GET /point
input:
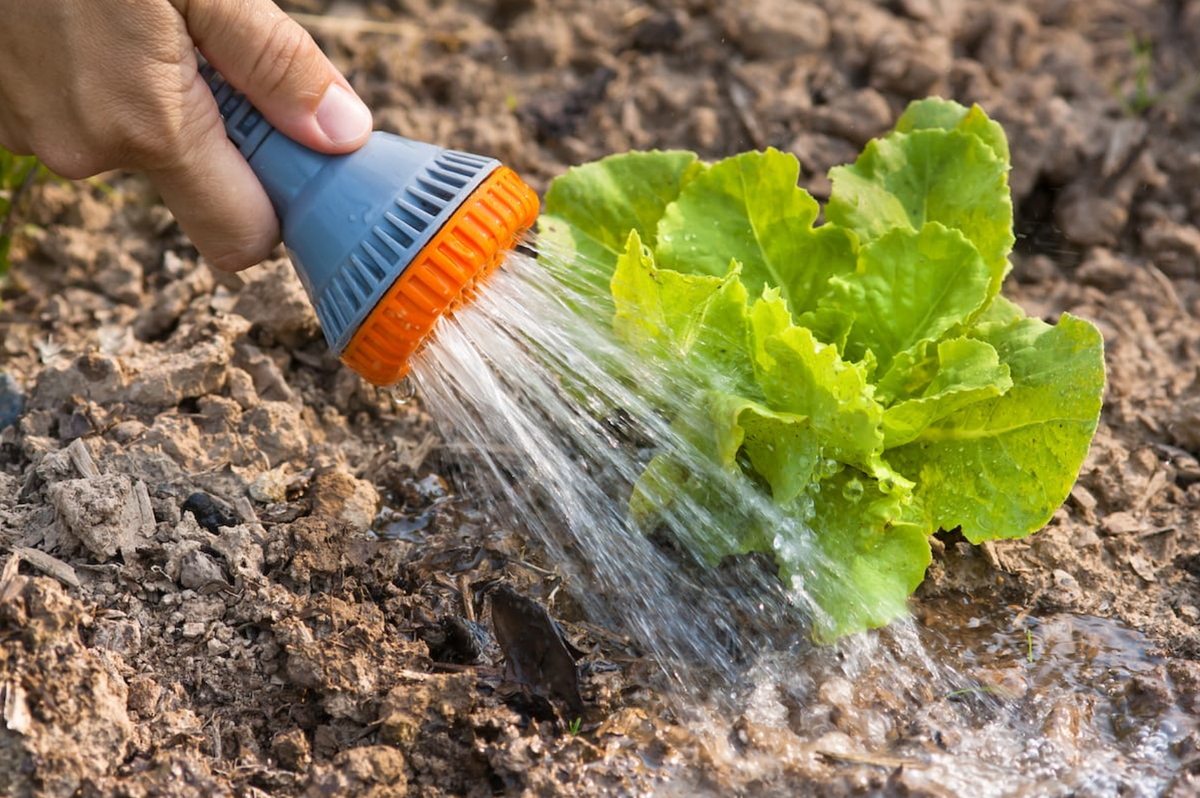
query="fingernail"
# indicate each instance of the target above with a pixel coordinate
(342, 116)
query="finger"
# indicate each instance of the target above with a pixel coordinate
(213, 193)
(11, 142)
(11, 131)
(267, 56)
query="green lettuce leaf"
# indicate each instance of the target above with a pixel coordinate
(869, 558)
(928, 175)
(591, 209)
(969, 370)
(936, 113)
(699, 320)
(863, 376)
(749, 208)
(910, 287)
(798, 374)
(999, 468)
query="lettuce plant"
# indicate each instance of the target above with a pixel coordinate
(864, 372)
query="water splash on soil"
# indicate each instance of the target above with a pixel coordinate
(561, 422)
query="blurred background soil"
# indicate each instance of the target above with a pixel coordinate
(192, 601)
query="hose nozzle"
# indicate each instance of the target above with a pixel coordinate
(386, 239)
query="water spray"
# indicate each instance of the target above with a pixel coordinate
(386, 239)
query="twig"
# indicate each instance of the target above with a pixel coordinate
(1167, 286)
(891, 762)
(739, 98)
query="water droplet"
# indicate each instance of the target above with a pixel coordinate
(853, 490)
(403, 392)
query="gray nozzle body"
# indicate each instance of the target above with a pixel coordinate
(352, 223)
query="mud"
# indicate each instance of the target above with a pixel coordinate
(286, 633)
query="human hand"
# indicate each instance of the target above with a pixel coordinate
(93, 85)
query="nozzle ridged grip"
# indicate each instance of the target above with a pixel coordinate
(442, 275)
(421, 206)
(245, 126)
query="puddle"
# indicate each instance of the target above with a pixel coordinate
(403, 527)
(1077, 705)
(959, 704)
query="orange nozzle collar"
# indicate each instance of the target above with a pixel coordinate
(467, 248)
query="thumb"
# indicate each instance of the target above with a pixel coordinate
(267, 56)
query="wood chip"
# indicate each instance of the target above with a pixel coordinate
(1120, 524)
(11, 582)
(145, 508)
(245, 510)
(49, 565)
(16, 708)
(81, 458)
(1142, 567)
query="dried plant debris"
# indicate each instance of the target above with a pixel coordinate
(536, 654)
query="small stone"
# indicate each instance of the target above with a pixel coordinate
(1142, 567)
(838, 693)
(432, 488)
(1084, 498)
(291, 750)
(127, 431)
(270, 487)
(1065, 580)
(119, 277)
(705, 127)
(541, 39)
(1189, 613)
(1085, 537)
(777, 28)
(370, 771)
(144, 694)
(268, 380)
(193, 629)
(198, 570)
(120, 635)
(279, 431)
(856, 116)
(1103, 270)
(216, 648)
(274, 301)
(1175, 248)
(241, 388)
(167, 379)
(242, 552)
(102, 512)
(660, 32)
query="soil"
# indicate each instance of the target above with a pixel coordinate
(192, 597)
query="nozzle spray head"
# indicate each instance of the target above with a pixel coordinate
(386, 239)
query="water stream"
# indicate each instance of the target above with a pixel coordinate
(561, 422)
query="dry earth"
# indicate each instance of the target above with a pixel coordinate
(258, 640)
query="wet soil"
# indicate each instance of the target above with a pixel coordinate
(231, 567)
